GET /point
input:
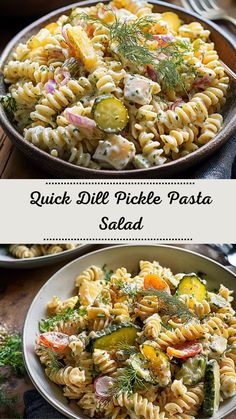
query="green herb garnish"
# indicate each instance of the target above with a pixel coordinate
(8, 404)
(107, 273)
(55, 363)
(9, 104)
(48, 324)
(128, 39)
(170, 305)
(128, 382)
(127, 349)
(11, 353)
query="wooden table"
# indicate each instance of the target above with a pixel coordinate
(13, 164)
(18, 288)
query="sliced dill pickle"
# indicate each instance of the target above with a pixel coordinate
(111, 337)
(110, 114)
(192, 285)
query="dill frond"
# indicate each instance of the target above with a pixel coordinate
(55, 363)
(8, 404)
(128, 39)
(170, 305)
(127, 381)
(127, 349)
(107, 273)
(9, 103)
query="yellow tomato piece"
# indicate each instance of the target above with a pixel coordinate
(82, 46)
(89, 291)
(159, 362)
(172, 19)
(52, 27)
(37, 40)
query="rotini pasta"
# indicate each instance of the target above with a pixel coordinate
(151, 344)
(23, 251)
(117, 86)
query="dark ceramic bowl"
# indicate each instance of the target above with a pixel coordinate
(62, 169)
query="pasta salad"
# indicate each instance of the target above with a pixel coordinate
(152, 345)
(26, 251)
(117, 86)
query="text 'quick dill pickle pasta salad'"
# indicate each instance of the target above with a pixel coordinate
(154, 345)
(117, 86)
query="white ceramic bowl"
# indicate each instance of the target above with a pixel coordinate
(62, 284)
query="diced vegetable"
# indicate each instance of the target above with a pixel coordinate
(192, 371)
(159, 363)
(211, 388)
(110, 114)
(116, 151)
(82, 46)
(88, 291)
(55, 340)
(185, 350)
(156, 282)
(172, 19)
(140, 365)
(192, 285)
(113, 336)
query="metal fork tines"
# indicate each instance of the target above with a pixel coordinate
(208, 9)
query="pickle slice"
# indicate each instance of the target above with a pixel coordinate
(110, 114)
(192, 285)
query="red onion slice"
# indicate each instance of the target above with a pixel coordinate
(152, 74)
(80, 121)
(102, 385)
(164, 38)
(176, 103)
(50, 86)
(64, 32)
(202, 81)
(61, 76)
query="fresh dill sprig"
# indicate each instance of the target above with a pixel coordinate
(170, 305)
(8, 404)
(127, 381)
(46, 325)
(128, 39)
(107, 273)
(9, 104)
(55, 363)
(126, 348)
(11, 353)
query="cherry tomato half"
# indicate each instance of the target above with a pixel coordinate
(54, 340)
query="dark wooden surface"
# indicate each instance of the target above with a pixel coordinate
(18, 288)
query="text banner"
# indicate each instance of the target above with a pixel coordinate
(38, 211)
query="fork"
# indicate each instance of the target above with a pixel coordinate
(208, 9)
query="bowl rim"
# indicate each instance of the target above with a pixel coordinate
(185, 162)
(30, 262)
(50, 398)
